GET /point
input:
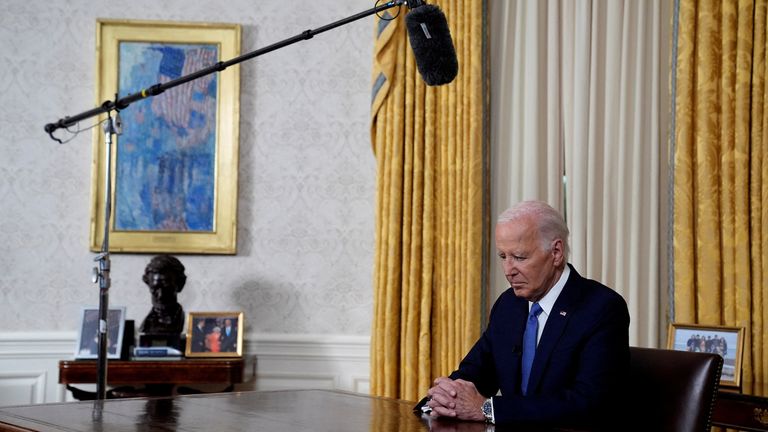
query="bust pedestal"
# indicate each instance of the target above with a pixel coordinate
(173, 340)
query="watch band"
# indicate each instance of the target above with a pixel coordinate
(488, 410)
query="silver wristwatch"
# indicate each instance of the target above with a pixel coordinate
(488, 410)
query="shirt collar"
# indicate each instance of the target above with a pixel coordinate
(548, 301)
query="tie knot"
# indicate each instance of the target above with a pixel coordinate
(535, 310)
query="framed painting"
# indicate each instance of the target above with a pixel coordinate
(174, 166)
(723, 340)
(214, 334)
(88, 335)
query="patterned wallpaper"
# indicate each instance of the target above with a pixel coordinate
(306, 176)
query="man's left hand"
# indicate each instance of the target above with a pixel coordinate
(456, 398)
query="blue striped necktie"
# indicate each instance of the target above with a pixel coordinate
(529, 344)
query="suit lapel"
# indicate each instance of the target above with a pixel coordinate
(556, 323)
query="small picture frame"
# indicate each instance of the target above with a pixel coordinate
(214, 334)
(88, 337)
(724, 340)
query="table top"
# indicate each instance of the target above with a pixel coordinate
(305, 410)
(290, 410)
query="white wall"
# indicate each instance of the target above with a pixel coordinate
(306, 187)
(29, 364)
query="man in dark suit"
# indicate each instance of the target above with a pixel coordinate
(228, 337)
(582, 355)
(198, 336)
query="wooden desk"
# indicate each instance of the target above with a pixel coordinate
(154, 378)
(294, 411)
(744, 409)
(309, 410)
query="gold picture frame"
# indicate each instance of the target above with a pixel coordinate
(174, 167)
(724, 340)
(214, 334)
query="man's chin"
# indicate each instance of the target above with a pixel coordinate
(521, 291)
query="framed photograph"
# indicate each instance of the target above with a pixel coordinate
(214, 334)
(723, 340)
(88, 337)
(174, 165)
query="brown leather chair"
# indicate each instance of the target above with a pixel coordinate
(672, 390)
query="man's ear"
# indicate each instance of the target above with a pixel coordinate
(557, 252)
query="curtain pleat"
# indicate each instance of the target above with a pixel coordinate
(429, 144)
(580, 87)
(720, 187)
(758, 199)
(612, 153)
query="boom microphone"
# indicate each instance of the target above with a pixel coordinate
(431, 43)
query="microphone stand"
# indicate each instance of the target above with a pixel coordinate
(112, 127)
(101, 273)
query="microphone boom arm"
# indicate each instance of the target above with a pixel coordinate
(159, 88)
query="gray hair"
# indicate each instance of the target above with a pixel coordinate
(550, 223)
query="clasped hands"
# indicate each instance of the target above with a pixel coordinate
(456, 398)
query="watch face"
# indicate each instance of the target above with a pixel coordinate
(487, 407)
(488, 411)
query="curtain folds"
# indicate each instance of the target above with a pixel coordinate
(580, 120)
(613, 137)
(721, 194)
(430, 148)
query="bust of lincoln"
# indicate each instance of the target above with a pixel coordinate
(164, 275)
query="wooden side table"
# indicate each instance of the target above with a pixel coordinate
(142, 378)
(745, 408)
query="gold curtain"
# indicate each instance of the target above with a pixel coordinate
(429, 144)
(720, 172)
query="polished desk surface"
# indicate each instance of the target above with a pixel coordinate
(290, 410)
(744, 408)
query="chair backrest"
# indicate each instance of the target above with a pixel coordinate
(672, 390)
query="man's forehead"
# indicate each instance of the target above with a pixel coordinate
(165, 271)
(166, 277)
(518, 230)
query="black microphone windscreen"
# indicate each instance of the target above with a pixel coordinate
(432, 44)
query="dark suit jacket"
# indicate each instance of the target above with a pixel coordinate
(229, 343)
(581, 361)
(198, 339)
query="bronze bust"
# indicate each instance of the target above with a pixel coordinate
(164, 275)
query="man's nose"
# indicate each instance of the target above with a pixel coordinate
(508, 264)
